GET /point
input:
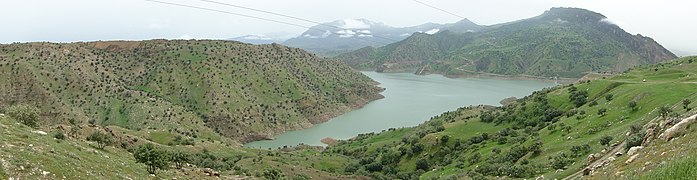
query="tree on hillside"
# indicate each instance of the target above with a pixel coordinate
(25, 114)
(273, 173)
(664, 111)
(422, 164)
(605, 140)
(102, 139)
(686, 103)
(602, 111)
(609, 97)
(153, 158)
(179, 158)
(633, 105)
(578, 97)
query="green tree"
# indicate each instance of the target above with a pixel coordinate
(179, 158)
(273, 173)
(602, 111)
(664, 111)
(102, 139)
(578, 97)
(153, 158)
(605, 140)
(633, 105)
(609, 97)
(25, 114)
(686, 103)
(422, 164)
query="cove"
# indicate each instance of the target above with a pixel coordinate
(409, 100)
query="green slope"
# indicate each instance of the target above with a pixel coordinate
(199, 89)
(562, 42)
(527, 138)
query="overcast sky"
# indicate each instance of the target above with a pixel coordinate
(672, 23)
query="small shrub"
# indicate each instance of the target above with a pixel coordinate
(605, 140)
(59, 135)
(609, 97)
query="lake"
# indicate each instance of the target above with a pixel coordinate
(409, 100)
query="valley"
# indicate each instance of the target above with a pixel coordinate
(409, 100)
(529, 90)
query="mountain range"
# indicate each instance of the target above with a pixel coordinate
(346, 35)
(562, 42)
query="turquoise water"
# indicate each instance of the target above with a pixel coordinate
(409, 100)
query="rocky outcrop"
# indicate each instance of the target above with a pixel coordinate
(678, 128)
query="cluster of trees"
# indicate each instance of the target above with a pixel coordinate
(578, 97)
(156, 158)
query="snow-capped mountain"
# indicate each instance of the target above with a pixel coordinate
(350, 34)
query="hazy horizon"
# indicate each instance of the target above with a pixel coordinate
(667, 22)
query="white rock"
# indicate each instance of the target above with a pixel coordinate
(39, 132)
(45, 173)
(634, 150)
(631, 159)
(611, 158)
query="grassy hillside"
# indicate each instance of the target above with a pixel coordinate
(550, 133)
(562, 42)
(26, 153)
(198, 89)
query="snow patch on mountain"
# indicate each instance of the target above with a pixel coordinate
(346, 33)
(605, 20)
(257, 37)
(432, 31)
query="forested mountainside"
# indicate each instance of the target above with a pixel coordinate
(199, 89)
(562, 42)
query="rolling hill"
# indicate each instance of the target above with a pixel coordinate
(589, 128)
(201, 89)
(562, 42)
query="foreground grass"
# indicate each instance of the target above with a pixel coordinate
(681, 169)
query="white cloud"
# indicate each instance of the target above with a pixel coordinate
(364, 31)
(405, 34)
(365, 35)
(354, 24)
(432, 31)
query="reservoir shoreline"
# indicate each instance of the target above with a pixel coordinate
(409, 100)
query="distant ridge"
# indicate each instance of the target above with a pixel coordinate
(562, 42)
